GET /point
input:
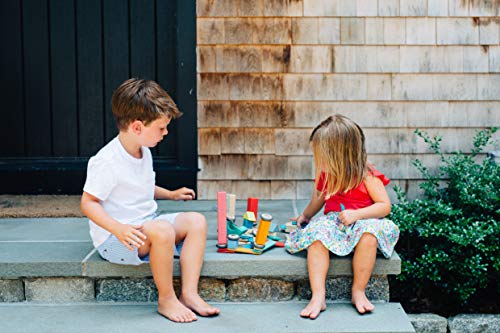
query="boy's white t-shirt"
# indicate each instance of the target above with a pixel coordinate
(124, 184)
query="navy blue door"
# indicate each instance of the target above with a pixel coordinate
(60, 63)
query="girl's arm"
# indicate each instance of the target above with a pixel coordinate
(183, 193)
(316, 203)
(381, 206)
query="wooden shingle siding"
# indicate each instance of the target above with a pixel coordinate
(269, 71)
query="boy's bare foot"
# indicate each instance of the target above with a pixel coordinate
(175, 311)
(198, 305)
(313, 309)
(360, 301)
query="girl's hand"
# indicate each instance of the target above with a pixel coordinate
(302, 220)
(348, 216)
(183, 194)
(130, 235)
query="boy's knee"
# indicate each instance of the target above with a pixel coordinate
(197, 221)
(160, 230)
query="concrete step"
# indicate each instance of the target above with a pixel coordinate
(36, 247)
(234, 318)
(43, 259)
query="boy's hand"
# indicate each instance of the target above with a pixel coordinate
(130, 235)
(348, 216)
(183, 194)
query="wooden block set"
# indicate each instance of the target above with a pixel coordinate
(251, 238)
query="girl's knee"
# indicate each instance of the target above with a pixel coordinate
(317, 245)
(368, 239)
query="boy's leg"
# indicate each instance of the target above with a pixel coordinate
(362, 265)
(191, 228)
(160, 246)
(318, 261)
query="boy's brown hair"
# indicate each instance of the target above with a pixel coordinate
(144, 100)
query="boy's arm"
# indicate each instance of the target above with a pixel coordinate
(127, 234)
(381, 206)
(183, 193)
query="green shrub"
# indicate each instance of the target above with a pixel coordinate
(450, 238)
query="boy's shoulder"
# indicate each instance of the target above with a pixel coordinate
(107, 154)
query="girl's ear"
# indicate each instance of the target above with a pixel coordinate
(136, 127)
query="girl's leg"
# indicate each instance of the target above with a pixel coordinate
(192, 229)
(362, 266)
(160, 246)
(318, 260)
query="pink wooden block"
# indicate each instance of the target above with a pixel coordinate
(221, 220)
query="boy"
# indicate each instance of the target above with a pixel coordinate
(119, 195)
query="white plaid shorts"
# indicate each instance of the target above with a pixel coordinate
(115, 252)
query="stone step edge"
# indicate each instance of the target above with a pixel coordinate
(60, 290)
(275, 262)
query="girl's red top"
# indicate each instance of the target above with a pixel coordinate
(353, 199)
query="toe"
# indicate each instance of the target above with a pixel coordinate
(360, 308)
(314, 314)
(305, 312)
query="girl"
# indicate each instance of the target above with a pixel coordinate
(356, 202)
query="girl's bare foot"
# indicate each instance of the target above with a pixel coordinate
(175, 311)
(313, 309)
(360, 301)
(198, 305)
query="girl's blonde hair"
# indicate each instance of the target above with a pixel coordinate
(338, 145)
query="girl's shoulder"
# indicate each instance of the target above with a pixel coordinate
(374, 172)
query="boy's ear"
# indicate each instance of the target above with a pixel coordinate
(136, 126)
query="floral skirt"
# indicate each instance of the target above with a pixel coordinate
(340, 239)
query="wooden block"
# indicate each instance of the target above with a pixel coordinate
(232, 206)
(252, 207)
(221, 220)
